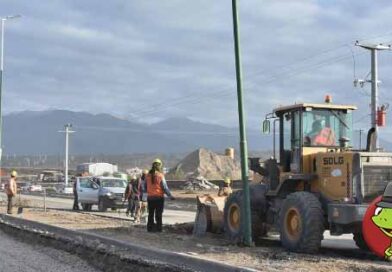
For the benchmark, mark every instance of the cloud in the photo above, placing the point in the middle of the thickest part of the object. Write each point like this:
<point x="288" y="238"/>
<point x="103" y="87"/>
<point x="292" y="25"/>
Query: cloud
<point x="148" y="60"/>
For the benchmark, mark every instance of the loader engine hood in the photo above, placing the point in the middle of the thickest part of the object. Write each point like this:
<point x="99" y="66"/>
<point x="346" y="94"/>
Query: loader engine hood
<point x="374" y="172"/>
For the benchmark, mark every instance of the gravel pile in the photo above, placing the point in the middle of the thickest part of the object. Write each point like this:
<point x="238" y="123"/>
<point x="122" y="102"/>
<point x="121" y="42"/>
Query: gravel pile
<point x="206" y="163"/>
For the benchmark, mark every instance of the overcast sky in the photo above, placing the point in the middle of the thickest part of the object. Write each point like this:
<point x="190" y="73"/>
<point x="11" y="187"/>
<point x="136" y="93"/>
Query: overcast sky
<point x="145" y="60"/>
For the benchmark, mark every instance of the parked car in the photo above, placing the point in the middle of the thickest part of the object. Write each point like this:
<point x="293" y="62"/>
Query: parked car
<point x="35" y="188"/>
<point x="106" y="192"/>
<point x="62" y="189"/>
<point x="23" y="186"/>
<point x="51" y="176"/>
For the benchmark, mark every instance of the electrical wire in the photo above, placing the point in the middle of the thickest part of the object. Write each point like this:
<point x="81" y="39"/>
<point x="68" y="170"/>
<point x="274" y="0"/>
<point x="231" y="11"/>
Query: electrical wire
<point x="194" y="98"/>
<point x="361" y="118"/>
<point x="224" y="93"/>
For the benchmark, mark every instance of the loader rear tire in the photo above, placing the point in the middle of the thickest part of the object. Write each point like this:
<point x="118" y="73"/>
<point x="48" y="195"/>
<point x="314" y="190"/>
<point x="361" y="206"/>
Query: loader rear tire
<point x="360" y="241"/>
<point x="301" y="223"/>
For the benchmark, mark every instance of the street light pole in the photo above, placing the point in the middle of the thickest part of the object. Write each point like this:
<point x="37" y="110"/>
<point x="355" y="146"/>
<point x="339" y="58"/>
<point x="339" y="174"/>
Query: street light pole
<point x="374" y="48"/>
<point x="67" y="131"/>
<point x="245" y="211"/>
<point x="3" y="20"/>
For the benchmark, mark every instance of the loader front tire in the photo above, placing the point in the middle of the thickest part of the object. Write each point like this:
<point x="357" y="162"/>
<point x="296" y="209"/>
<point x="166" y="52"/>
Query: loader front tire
<point x="232" y="219"/>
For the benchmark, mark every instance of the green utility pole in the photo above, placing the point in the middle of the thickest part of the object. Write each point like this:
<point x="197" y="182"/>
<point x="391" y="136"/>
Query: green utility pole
<point x="246" y="218"/>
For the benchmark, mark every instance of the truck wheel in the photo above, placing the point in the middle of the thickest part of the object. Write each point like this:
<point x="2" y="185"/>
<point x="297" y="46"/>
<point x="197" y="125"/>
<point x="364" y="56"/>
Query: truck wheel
<point x="85" y="207"/>
<point x="301" y="223"/>
<point x="232" y="219"/>
<point x="360" y="241"/>
<point x="101" y="205"/>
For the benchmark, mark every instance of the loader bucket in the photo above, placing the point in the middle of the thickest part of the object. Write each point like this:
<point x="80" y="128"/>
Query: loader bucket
<point x="209" y="216"/>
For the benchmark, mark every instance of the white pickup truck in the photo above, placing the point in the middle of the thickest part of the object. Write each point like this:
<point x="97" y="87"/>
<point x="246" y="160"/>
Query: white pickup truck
<point x="106" y="192"/>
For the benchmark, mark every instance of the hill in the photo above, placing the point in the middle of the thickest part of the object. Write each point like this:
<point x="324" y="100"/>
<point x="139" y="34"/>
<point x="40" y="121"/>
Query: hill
<point x="30" y="133"/>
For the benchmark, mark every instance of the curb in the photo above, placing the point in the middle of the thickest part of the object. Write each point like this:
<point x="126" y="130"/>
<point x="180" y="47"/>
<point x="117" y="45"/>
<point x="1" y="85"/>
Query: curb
<point x="109" y="254"/>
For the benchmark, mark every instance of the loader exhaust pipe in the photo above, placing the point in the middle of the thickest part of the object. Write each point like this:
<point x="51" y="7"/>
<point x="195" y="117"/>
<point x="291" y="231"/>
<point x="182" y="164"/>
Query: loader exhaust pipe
<point x="369" y="139"/>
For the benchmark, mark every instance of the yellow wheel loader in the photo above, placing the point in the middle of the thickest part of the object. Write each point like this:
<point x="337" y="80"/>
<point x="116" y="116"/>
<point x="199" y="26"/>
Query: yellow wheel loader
<point x="317" y="181"/>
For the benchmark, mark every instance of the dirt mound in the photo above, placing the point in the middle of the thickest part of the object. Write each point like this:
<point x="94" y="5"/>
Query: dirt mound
<point x="206" y="163"/>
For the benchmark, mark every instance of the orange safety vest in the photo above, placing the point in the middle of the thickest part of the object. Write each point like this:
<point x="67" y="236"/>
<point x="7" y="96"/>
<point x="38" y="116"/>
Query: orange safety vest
<point x="325" y="137"/>
<point x="155" y="189"/>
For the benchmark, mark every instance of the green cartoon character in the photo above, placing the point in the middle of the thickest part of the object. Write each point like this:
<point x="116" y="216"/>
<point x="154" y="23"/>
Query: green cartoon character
<point x="383" y="218"/>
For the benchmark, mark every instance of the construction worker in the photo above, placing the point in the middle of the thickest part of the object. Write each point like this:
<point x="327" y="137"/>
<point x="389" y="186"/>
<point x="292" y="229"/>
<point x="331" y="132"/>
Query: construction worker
<point x="128" y="196"/>
<point x="142" y="197"/>
<point x="156" y="189"/>
<point x="11" y="190"/>
<point x="225" y="188"/>
<point x="76" y="199"/>
<point x="135" y="196"/>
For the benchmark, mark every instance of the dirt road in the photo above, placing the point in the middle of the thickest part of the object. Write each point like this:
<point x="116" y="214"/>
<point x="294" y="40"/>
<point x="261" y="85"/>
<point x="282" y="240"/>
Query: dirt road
<point x="176" y="216"/>
<point x="267" y="256"/>
<point x="171" y="216"/>
<point x="337" y="253"/>
<point x="16" y="256"/>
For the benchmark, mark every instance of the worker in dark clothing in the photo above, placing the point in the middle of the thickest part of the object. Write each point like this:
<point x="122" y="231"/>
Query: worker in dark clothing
<point x="76" y="199"/>
<point x="128" y="197"/>
<point x="143" y="197"/>
<point x="156" y="190"/>
<point x="135" y="196"/>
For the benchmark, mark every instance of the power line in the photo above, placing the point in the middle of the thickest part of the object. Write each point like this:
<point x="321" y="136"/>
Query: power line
<point x="291" y="64"/>
<point x="361" y="118"/>
<point x="252" y="75"/>
<point x="224" y="93"/>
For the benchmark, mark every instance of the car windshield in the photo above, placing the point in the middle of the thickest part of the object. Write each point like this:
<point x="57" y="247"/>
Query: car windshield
<point x="327" y="127"/>
<point x="113" y="183"/>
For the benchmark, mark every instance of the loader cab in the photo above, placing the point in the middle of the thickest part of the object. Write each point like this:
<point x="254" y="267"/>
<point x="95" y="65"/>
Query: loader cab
<point x="305" y="129"/>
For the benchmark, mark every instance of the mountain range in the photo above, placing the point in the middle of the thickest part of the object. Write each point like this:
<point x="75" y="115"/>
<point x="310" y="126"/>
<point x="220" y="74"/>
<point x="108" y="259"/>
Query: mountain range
<point x="37" y="132"/>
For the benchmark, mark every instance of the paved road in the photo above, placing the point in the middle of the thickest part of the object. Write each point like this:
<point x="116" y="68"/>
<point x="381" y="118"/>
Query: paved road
<point x="16" y="256"/>
<point x="170" y="216"/>
<point x="176" y="216"/>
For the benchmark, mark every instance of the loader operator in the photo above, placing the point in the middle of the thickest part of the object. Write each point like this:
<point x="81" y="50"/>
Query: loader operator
<point x="156" y="189"/>
<point x="225" y="189"/>
<point x="11" y="190"/>
<point x="320" y="135"/>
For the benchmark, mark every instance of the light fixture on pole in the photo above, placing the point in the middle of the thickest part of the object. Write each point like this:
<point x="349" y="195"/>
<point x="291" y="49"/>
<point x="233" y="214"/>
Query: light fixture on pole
<point x="3" y="20"/>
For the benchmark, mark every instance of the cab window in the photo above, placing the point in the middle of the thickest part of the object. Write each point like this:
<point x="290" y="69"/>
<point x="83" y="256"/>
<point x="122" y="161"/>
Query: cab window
<point x="327" y="127"/>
